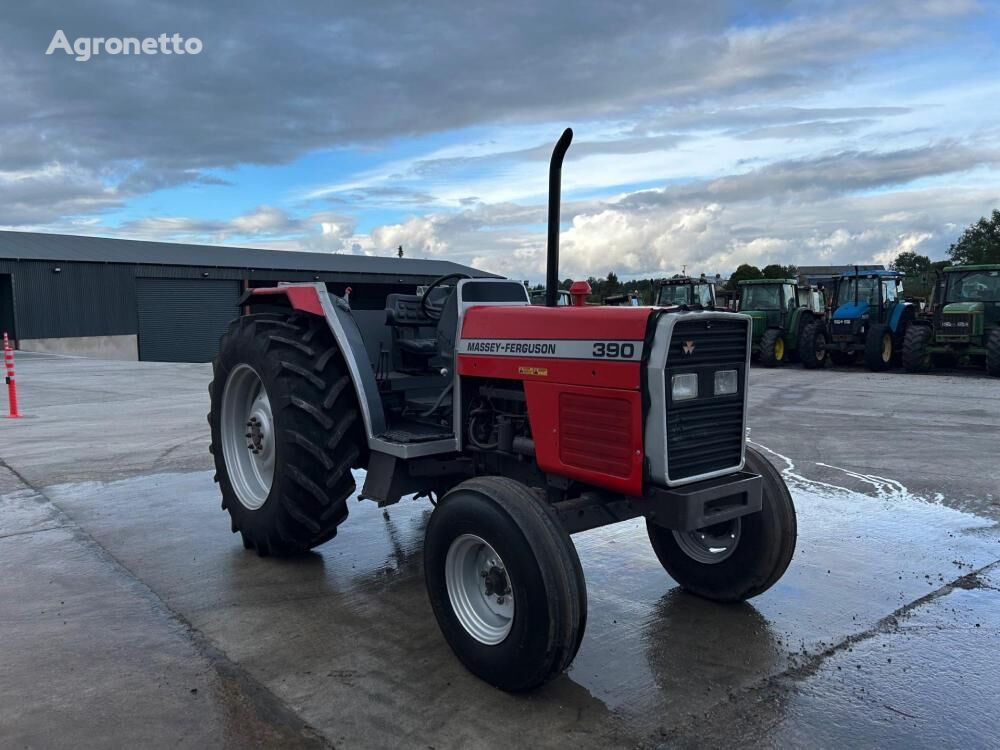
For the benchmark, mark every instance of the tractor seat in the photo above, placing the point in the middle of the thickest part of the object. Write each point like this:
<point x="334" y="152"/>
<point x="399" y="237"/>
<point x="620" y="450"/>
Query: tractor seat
<point x="410" y="329"/>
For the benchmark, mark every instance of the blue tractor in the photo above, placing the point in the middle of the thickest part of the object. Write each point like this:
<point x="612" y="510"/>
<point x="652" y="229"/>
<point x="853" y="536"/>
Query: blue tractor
<point x="870" y="318"/>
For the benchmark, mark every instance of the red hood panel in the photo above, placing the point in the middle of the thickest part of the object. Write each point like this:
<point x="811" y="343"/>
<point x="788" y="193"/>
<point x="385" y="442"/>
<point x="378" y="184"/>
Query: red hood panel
<point x="536" y="322"/>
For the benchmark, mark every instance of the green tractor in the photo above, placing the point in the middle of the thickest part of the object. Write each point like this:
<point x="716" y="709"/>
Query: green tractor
<point x="787" y="321"/>
<point x="964" y="323"/>
<point x="685" y="291"/>
<point x="871" y="318"/>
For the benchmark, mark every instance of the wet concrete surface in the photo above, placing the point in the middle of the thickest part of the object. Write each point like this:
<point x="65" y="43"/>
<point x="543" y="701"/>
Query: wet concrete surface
<point x="896" y="560"/>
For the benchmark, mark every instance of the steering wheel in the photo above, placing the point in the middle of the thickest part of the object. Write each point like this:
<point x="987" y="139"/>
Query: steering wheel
<point x="434" y="311"/>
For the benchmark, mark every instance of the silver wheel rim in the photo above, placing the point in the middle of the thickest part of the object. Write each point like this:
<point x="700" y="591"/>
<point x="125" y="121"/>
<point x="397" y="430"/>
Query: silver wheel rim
<point x="479" y="590"/>
<point x="712" y="544"/>
<point x="247" y="427"/>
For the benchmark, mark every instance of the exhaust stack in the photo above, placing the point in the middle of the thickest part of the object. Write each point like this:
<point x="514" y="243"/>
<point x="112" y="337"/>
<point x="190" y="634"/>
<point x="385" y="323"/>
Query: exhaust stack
<point x="552" y="249"/>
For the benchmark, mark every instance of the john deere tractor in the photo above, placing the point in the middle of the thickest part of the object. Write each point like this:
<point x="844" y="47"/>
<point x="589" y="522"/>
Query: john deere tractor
<point x="870" y="317"/>
<point x="685" y="291"/>
<point x="787" y="321"/>
<point x="964" y="324"/>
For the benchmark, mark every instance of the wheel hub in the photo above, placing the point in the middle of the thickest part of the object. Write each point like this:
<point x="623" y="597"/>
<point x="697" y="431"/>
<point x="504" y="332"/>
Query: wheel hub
<point x="479" y="589"/>
<point x="712" y="544"/>
<point x="247" y="436"/>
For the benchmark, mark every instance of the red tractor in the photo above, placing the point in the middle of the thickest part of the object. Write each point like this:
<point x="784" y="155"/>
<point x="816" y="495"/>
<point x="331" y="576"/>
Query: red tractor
<point x="523" y="425"/>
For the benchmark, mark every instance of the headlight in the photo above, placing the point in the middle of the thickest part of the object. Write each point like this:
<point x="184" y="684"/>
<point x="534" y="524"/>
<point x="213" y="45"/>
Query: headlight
<point x="725" y="382"/>
<point x="684" y="387"/>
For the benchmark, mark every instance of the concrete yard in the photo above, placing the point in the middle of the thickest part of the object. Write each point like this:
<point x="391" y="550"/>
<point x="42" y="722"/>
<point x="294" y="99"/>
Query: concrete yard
<point x="130" y="616"/>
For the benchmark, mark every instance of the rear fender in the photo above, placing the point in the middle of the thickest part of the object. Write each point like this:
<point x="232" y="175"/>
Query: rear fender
<point x="314" y="299"/>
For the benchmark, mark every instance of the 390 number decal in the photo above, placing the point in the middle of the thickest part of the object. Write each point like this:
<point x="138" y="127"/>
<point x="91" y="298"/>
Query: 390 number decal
<point x="614" y="350"/>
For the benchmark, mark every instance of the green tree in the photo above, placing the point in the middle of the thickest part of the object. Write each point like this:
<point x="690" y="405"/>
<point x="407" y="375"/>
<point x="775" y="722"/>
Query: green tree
<point x="911" y="264"/>
<point x="777" y="271"/>
<point x="979" y="243"/>
<point x="742" y="273"/>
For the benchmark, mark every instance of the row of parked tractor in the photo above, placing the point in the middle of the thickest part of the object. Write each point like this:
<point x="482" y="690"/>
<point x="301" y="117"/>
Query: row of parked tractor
<point x="863" y="314"/>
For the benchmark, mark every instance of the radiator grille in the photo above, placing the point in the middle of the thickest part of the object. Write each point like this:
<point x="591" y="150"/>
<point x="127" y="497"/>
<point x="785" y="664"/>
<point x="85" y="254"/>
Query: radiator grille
<point x="705" y="434"/>
<point x="596" y="433"/>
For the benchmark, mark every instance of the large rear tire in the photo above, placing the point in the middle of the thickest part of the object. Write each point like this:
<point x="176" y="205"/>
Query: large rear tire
<point x="773" y="350"/>
<point x="737" y="560"/>
<point x="286" y="432"/>
<point x="812" y="345"/>
<point x="993" y="353"/>
<point x="505" y="583"/>
<point x="879" y="348"/>
<point x="915" y="355"/>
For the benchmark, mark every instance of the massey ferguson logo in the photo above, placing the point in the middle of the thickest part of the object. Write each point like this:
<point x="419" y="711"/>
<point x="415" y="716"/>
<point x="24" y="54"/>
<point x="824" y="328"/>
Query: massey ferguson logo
<point x="688" y="347"/>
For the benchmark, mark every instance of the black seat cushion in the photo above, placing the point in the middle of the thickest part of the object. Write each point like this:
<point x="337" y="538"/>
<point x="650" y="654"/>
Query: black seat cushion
<point x="423" y="347"/>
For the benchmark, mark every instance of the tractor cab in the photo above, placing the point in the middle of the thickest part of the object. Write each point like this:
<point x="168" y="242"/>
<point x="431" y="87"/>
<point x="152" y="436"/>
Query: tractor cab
<point x="685" y="291"/>
<point x="869" y="316"/>
<point x="963" y="324"/>
<point x="787" y="321"/>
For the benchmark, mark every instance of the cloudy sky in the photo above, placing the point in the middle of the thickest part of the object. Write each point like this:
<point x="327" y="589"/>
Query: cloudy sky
<point x="707" y="134"/>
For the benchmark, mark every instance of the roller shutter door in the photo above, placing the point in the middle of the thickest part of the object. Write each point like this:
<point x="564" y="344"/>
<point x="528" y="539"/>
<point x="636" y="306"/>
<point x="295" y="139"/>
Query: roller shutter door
<point x="181" y="320"/>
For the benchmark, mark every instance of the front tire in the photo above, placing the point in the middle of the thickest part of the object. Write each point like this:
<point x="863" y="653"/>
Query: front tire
<point x="286" y="432"/>
<point x="734" y="561"/>
<point x="772" y="348"/>
<point x="812" y="345"/>
<point x="993" y="353"/>
<point x="505" y="583"/>
<point x="915" y="343"/>
<point x="879" y="348"/>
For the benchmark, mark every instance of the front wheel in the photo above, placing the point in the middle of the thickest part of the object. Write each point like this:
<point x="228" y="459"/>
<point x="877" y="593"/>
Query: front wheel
<point x="772" y="348"/>
<point x="734" y="560"/>
<point x="915" y="355"/>
<point x="505" y="583"/>
<point x="812" y="345"/>
<point x="993" y="353"/>
<point x="879" y="348"/>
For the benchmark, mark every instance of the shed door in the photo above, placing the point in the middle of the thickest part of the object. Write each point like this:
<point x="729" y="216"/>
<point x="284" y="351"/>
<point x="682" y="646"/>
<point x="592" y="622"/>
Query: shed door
<point x="181" y="320"/>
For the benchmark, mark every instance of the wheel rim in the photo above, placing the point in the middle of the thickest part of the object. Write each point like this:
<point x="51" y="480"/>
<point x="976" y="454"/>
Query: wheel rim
<point x="820" y="347"/>
<point x="779" y="349"/>
<point x="247" y="427"/>
<point x="886" y="347"/>
<point x="479" y="589"/>
<point x="712" y="544"/>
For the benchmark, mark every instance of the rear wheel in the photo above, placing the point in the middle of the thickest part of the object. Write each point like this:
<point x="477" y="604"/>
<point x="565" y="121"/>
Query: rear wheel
<point x="738" y="559"/>
<point x="772" y="348"/>
<point x="993" y="353"/>
<point x="916" y="358"/>
<point x="286" y="432"/>
<point x="812" y="345"/>
<point x="879" y="348"/>
<point x="505" y="583"/>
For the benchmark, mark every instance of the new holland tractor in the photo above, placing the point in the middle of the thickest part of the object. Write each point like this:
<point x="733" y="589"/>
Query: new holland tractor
<point x="870" y="317"/>
<point x="685" y="291"/>
<point x="522" y="425"/>
<point x="964" y="323"/>
<point x="787" y="322"/>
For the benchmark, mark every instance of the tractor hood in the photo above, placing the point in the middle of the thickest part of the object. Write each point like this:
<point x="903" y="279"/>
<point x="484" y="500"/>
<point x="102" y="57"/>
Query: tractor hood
<point x="850" y="311"/>
<point x="965" y="307"/>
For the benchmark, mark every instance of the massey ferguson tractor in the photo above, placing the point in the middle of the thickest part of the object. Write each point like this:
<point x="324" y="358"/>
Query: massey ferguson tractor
<point x="523" y="425"/>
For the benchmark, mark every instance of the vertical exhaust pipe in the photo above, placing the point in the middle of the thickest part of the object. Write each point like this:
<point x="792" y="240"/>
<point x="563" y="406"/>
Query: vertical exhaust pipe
<point x="552" y="249"/>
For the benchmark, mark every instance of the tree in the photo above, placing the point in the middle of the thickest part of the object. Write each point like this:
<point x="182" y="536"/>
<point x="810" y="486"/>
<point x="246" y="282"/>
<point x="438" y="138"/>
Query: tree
<point x="979" y="243"/>
<point x="776" y="271"/>
<point x="742" y="273"/>
<point x="911" y="264"/>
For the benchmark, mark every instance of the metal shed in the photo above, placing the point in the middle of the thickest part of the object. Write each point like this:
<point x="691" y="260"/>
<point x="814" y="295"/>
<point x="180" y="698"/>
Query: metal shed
<point x="128" y="299"/>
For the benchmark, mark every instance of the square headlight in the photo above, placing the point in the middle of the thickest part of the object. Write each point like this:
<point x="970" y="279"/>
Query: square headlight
<point x="684" y="387"/>
<point x="725" y="382"/>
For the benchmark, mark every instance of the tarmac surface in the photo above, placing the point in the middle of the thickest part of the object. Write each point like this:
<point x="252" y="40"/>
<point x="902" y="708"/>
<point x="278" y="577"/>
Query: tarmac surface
<point x="129" y="615"/>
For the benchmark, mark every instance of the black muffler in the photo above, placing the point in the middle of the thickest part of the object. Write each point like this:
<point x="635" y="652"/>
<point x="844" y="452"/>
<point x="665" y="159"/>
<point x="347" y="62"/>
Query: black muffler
<point x="552" y="253"/>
